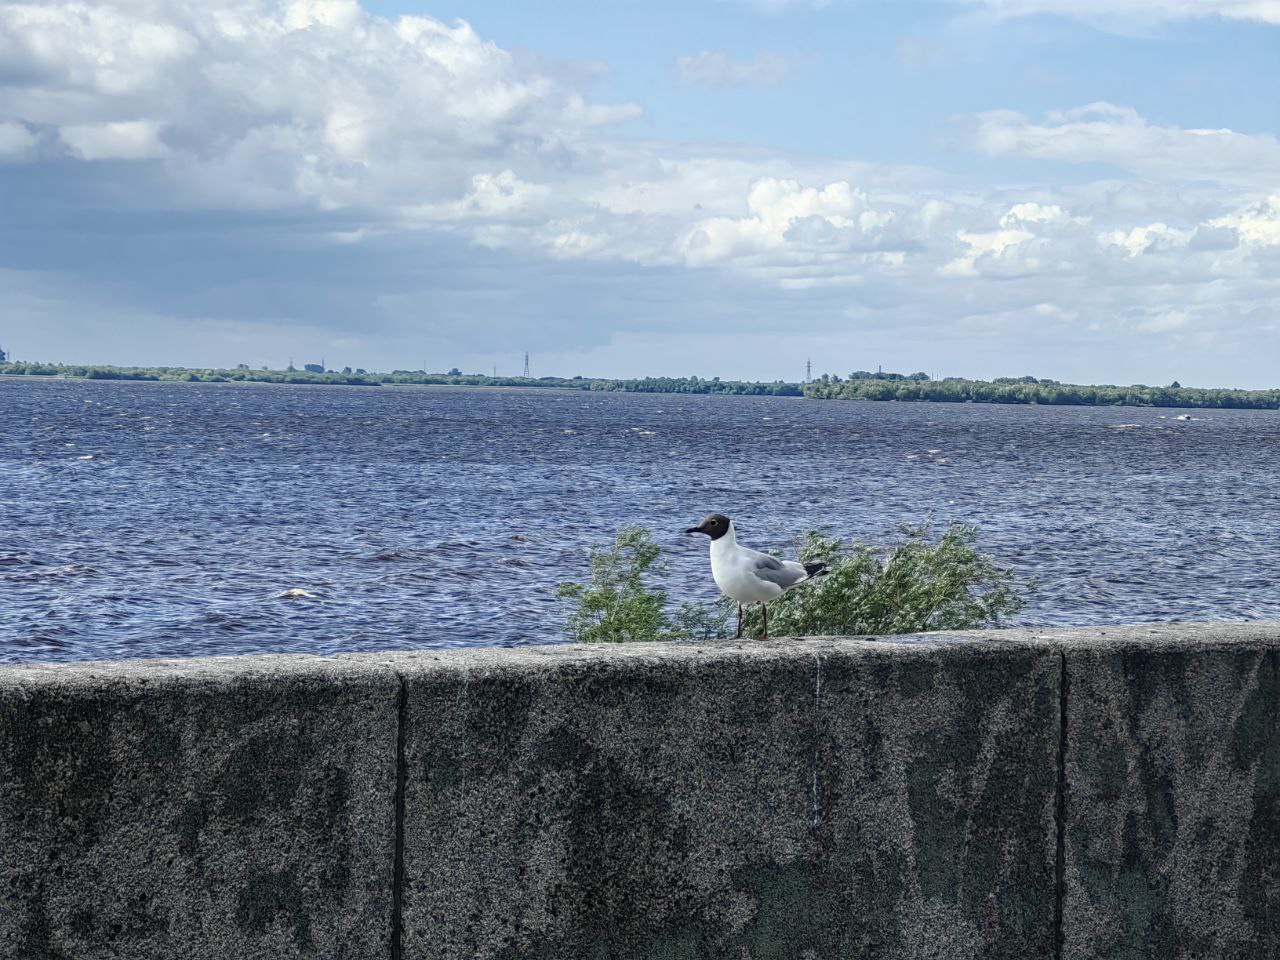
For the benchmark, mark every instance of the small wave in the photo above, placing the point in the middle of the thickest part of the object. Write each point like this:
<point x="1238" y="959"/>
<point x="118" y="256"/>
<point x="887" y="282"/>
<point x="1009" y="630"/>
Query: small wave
<point x="448" y="574"/>
<point x="296" y="593"/>
<point x="17" y="560"/>
<point x="47" y="641"/>
<point x="65" y="570"/>
<point x="387" y="556"/>
<point x="222" y="622"/>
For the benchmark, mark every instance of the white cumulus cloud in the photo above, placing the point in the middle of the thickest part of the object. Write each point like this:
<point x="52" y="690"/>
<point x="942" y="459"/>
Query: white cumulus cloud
<point x="798" y="236"/>
<point x="1258" y="223"/>
<point x="288" y="101"/>
<point x="1153" y="238"/>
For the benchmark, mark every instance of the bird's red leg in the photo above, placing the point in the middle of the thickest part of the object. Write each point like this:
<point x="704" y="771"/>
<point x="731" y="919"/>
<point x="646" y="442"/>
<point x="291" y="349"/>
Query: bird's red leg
<point x="738" y="635"/>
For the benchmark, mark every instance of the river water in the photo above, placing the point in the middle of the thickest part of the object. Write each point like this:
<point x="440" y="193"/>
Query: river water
<point x="151" y="519"/>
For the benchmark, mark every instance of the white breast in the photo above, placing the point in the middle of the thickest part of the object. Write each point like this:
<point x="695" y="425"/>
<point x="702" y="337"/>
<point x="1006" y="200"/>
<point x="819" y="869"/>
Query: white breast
<point x="733" y="569"/>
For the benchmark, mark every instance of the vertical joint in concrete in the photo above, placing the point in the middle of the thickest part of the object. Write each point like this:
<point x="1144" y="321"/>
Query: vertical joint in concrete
<point x="1060" y="811"/>
<point x="817" y="737"/>
<point x="397" y="883"/>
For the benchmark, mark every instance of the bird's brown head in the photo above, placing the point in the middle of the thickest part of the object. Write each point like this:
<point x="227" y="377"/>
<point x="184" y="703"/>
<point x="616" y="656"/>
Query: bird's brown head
<point x="714" y="526"/>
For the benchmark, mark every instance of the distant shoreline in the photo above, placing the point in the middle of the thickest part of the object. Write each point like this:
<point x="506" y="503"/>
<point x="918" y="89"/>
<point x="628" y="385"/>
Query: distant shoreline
<point x="862" y="385"/>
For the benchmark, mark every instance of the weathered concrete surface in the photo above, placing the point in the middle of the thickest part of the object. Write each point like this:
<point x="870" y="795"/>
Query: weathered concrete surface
<point x="811" y="799"/>
<point x="222" y="809"/>
<point x="790" y="799"/>
<point x="1172" y="823"/>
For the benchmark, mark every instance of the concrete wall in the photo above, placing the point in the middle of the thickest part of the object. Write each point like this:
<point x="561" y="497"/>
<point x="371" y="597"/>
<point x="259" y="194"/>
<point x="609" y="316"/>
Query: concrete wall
<point x="1172" y="816"/>
<point x="237" y="808"/>
<point x="1073" y="794"/>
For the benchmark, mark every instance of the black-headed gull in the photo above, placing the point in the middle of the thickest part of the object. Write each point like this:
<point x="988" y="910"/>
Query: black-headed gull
<point x="747" y="575"/>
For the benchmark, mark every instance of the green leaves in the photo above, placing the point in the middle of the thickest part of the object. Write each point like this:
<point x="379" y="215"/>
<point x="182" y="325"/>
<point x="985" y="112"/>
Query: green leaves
<point x="913" y="585"/>
<point x="615" y="605"/>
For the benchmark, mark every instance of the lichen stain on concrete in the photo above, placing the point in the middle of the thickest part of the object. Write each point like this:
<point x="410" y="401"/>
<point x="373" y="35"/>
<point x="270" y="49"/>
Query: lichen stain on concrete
<point x="796" y="914"/>
<point x="265" y="771"/>
<point x="62" y="771"/>
<point x="269" y="896"/>
<point x="37" y="936"/>
<point x="192" y="819"/>
<point x="1256" y="747"/>
<point x="1174" y="814"/>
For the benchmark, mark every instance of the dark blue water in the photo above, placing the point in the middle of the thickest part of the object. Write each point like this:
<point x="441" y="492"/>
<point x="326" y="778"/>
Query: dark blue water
<point x="166" y="519"/>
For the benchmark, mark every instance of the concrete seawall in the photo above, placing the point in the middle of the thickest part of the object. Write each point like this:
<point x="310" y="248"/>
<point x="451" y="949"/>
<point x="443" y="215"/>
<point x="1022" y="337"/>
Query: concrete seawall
<point x="1013" y="794"/>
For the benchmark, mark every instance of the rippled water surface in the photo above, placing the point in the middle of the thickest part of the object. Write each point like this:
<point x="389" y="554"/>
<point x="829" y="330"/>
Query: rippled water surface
<point x="166" y="519"/>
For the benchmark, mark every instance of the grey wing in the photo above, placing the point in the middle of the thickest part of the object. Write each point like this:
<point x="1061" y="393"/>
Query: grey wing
<point x="784" y="574"/>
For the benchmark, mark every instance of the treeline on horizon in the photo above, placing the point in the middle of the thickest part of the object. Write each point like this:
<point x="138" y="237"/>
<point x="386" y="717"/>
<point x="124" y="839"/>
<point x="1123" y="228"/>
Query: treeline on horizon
<point x="1027" y="390"/>
<point x="860" y="385"/>
<point x="363" y="378"/>
<point x="73" y="371"/>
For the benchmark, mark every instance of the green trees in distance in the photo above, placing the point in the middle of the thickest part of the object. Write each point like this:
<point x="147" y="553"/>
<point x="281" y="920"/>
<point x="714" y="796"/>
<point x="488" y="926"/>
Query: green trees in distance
<point x="396" y="378"/>
<point x="912" y="585"/>
<point x="241" y="373"/>
<point x="859" y="385"/>
<point x="1030" y="390"/>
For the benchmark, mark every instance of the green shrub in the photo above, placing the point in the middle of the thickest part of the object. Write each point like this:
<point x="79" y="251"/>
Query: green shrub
<point x="616" y="605"/>
<point x="914" y="585"/>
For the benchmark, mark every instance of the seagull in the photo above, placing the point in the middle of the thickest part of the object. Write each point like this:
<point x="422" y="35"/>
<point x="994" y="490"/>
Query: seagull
<point x="750" y="576"/>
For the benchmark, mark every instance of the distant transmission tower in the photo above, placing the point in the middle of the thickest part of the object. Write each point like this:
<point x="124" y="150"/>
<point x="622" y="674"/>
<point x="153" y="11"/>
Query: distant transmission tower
<point x="808" y="370"/>
<point x="526" y="364"/>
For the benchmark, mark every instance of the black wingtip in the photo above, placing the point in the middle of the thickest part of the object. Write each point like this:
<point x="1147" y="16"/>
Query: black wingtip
<point x="815" y="569"/>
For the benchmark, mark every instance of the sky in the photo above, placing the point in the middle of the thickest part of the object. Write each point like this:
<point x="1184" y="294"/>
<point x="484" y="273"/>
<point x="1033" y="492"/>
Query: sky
<point x="1075" y="189"/>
